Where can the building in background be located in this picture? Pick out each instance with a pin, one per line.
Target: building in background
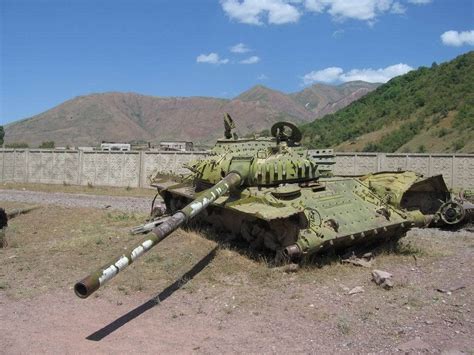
(115, 147)
(177, 146)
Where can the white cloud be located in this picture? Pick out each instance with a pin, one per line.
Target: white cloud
(211, 58)
(398, 8)
(419, 2)
(336, 74)
(254, 11)
(262, 77)
(251, 60)
(457, 39)
(343, 9)
(239, 48)
(258, 12)
(327, 75)
(376, 75)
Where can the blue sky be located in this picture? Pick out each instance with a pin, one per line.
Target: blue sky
(54, 50)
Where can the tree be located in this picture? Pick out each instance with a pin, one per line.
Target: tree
(2, 134)
(47, 145)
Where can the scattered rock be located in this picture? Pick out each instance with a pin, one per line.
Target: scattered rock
(357, 289)
(382, 278)
(416, 344)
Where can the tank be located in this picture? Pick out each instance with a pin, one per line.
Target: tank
(271, 193)
(288, 202)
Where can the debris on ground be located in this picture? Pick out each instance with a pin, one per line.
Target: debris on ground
(358, 262)
(357, 289)
(365, 261)
(451, 289)
(382, 278)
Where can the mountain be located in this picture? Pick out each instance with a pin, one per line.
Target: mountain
(323, 99)
(278, 101)
(90, 119)
(425, 110)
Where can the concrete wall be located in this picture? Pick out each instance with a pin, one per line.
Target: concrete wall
(457, 169)
(133, 168)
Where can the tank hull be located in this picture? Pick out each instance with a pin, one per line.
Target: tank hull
(302, 219)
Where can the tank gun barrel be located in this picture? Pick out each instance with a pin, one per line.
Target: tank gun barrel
(98, 278)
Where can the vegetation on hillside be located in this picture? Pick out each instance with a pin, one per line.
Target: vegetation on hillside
(47, 145)
(2, 134)
(405, 107)
(17, 145)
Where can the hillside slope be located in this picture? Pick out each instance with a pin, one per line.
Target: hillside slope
(90, 119)
(323, 99)
(429, 109)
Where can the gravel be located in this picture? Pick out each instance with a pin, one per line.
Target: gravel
(121, 203)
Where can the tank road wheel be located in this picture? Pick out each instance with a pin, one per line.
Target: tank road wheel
(452, 212)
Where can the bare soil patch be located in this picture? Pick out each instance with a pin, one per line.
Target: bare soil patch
(193, 295)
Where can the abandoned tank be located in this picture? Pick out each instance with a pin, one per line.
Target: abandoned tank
(270, 192)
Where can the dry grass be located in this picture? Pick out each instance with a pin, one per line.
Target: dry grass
(52, 247)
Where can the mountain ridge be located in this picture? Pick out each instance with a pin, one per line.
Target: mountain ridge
(118, 116)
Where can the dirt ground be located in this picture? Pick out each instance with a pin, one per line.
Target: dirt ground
(192, 294)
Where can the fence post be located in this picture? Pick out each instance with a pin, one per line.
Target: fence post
(27, 165)
(141, 167)
(80, 162)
